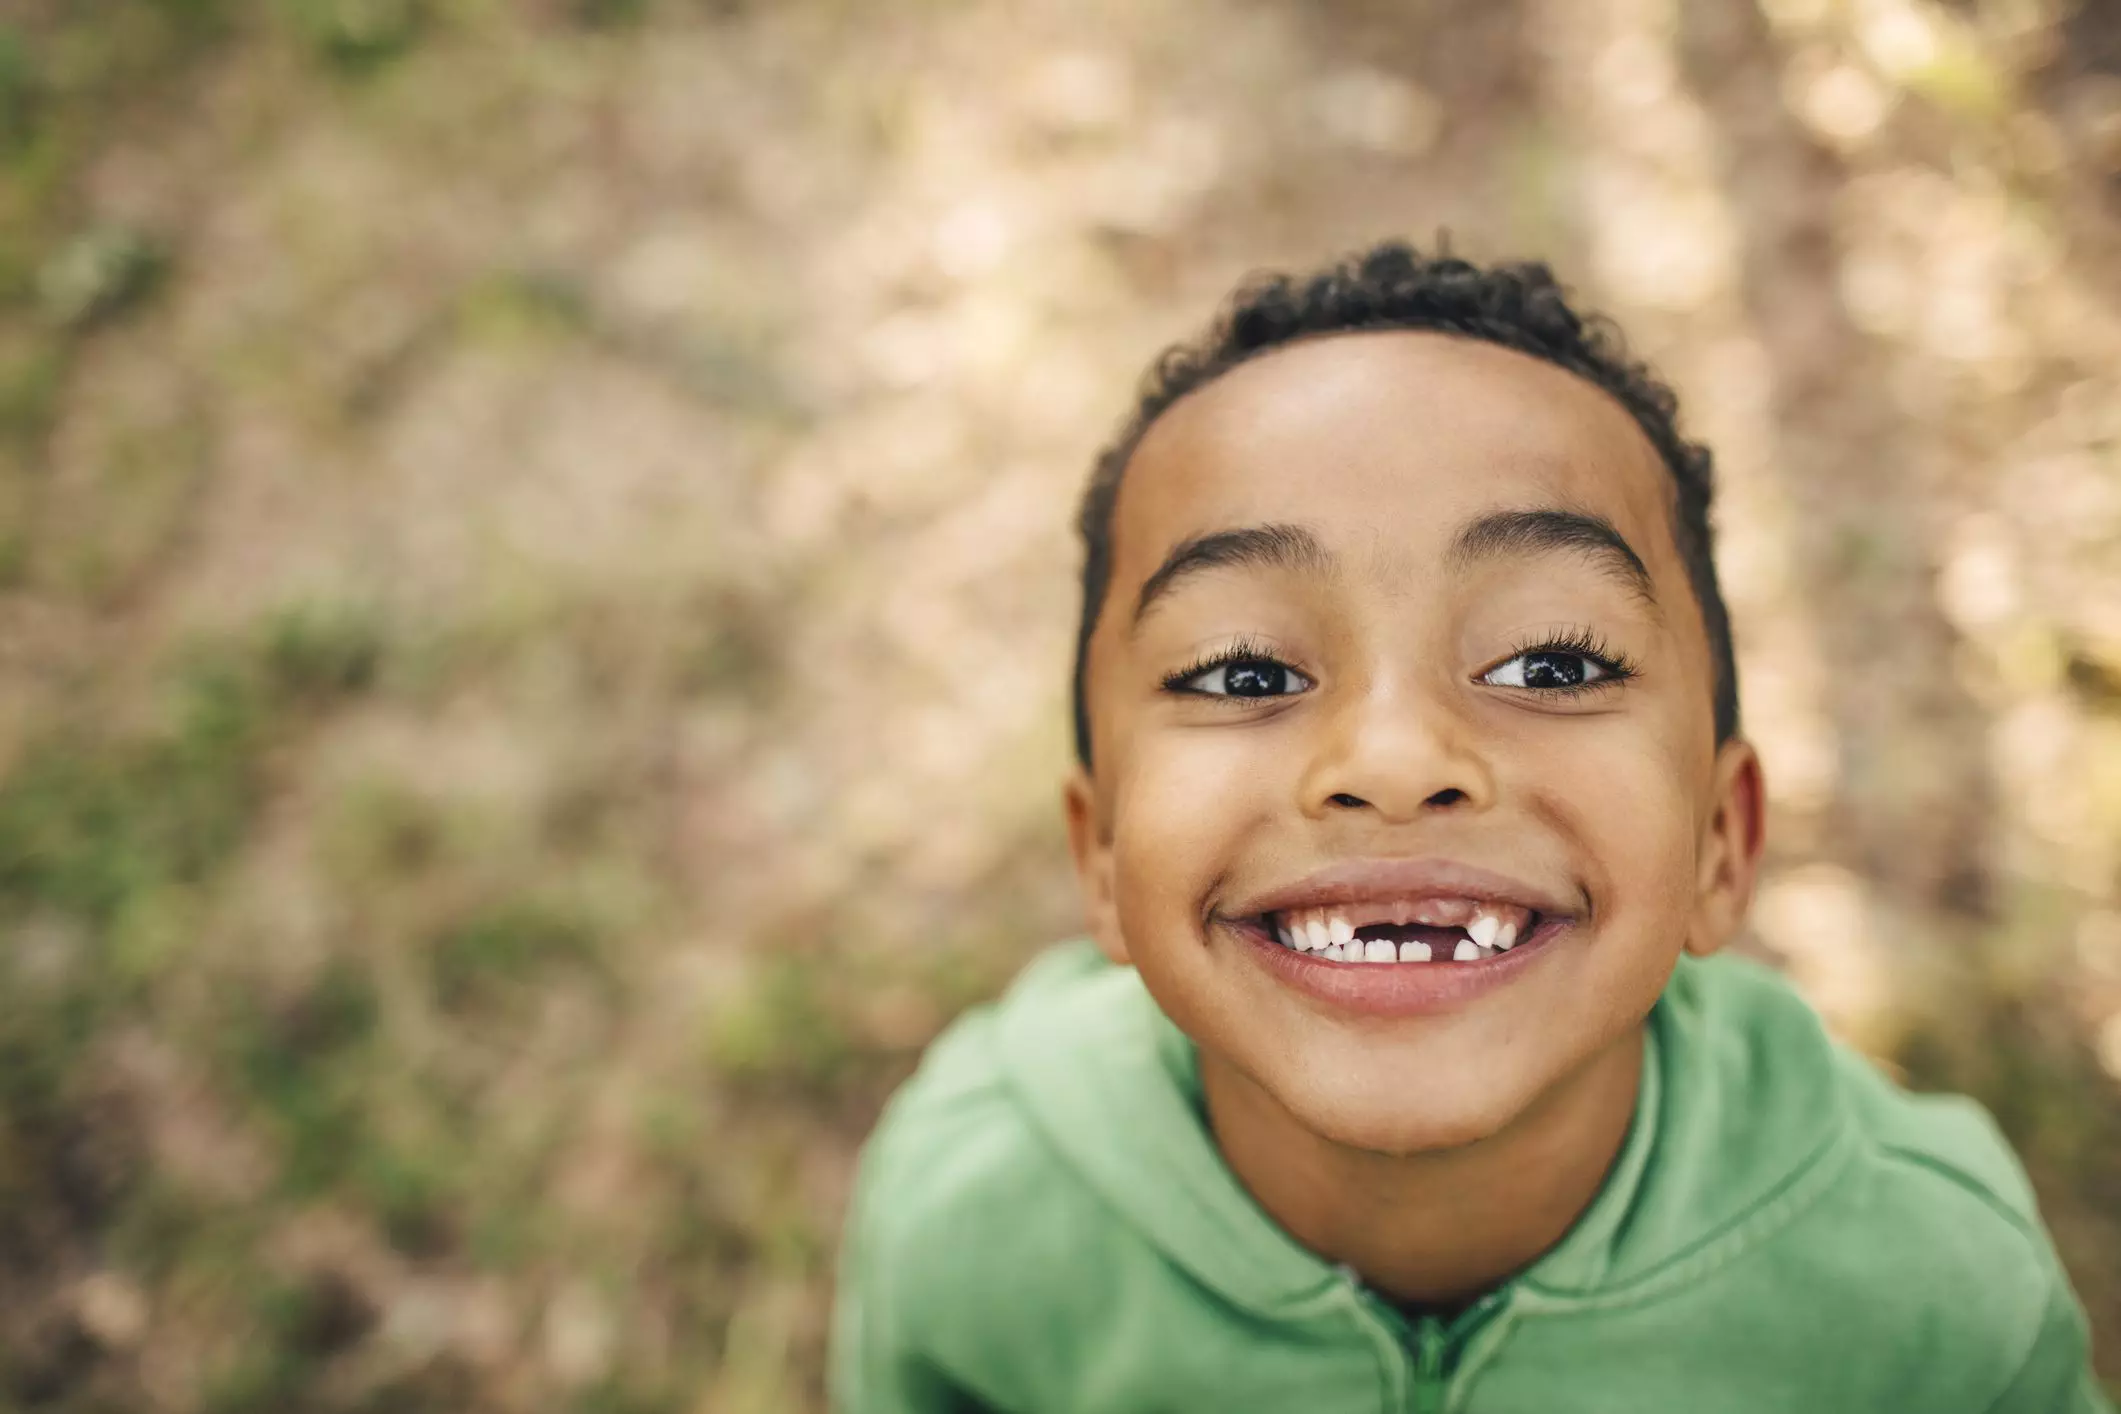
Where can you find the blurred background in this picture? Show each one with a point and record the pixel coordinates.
(536, 590)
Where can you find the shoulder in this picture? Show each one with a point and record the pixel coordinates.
(959, 1190)
(1926, 1248)
(1764, 1041)
(953, 1154)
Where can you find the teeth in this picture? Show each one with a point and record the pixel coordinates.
(1331, 935)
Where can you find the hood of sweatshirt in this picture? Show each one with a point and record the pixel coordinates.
(1736, 1129)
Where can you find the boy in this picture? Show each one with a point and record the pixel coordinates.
(1412, 806)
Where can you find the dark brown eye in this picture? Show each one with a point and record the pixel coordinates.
(1553, 670)
(1245, 677)
(1255, 679)
(1550, 670)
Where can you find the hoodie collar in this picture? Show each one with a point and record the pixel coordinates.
(1735, 1128)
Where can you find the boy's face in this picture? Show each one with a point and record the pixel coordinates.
(1398, 641)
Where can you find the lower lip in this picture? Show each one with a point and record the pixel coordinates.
(1397, 988)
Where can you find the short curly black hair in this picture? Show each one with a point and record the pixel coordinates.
(1394, 286)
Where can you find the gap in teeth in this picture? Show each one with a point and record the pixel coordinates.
(1481, 932)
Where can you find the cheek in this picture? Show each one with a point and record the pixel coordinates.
(1187, 804)
(1632, 804)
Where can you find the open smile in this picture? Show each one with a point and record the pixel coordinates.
(1401, 936)
(1428, 929)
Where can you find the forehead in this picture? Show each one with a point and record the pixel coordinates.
(1394, 437)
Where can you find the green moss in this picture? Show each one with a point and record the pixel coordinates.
(29, 389)
(629, 1394)
(383, 834)
(355, 38)
(101, 276)
(784, 1032)
(609, 14)
(90, 825)
(90, 828)
(304, 1069)
(414, 1191)
(19, 91)
(522, 307)
(735, 652)
(295, 1325)
(313, 654)
(489, 958)
(165, 1225)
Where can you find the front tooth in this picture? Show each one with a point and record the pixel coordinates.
(1336, 952)
(1483, 928)
(1341, 929)
(1321, 936)
(1466, 951)
(1414, 950)
(1379, 950)
(1506, 937)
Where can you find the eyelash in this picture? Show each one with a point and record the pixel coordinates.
(1583, 642)
(1580, 641)
(1242, 650)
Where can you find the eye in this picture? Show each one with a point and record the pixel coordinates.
(1551, 670)
(1242, 677)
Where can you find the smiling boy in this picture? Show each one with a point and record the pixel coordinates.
(1412, 808)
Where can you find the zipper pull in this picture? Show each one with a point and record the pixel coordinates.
(1428, 1366)
(1431, 1340)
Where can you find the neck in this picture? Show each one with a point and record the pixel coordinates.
(1434, 1229)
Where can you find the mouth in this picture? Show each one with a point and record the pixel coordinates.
(1427, 929)
(1398, 937)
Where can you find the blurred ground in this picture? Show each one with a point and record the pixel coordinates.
(537, 594)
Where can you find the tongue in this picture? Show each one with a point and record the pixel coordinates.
(1443, 938)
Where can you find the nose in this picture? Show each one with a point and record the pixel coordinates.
(1396, 752)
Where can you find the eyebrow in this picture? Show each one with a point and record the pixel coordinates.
(1548, 530)
(1255, 546)
(1544, 530)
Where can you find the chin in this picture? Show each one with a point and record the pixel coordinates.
(1389, 1119)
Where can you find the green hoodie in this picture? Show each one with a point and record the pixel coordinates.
(1043, 1224)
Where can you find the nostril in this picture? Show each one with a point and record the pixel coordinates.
(1449, 796)
(1352, 802)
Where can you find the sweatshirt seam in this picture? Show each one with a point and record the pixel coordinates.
(2029, 1239)
(1807, 1182)
(1910, 1157)
(1289, 1305)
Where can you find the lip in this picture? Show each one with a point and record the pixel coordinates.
(1405, 989)
(1397, 989)
(1364, 880)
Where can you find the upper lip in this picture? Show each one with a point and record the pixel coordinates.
(1372, 880)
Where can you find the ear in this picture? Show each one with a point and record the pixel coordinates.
(1730, 849)
(1092, 848)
